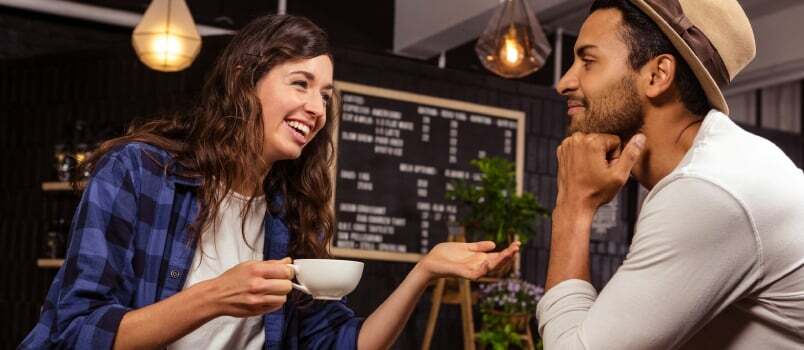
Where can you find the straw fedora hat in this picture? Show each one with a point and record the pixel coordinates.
(713, 36)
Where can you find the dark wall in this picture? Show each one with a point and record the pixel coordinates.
(40, 98)
(27, 34)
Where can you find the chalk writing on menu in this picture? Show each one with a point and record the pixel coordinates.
(397, 153)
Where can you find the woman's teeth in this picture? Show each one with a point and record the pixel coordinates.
(301, 128)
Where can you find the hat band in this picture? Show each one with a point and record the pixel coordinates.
(673, 14)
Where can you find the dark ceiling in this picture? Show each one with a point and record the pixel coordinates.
(362, 24)
(358, 24)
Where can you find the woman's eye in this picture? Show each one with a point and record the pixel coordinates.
(300, 83)
(327, 98)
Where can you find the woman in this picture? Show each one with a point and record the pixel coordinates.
(183, 233)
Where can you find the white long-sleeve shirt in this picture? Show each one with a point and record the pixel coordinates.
(717, 260)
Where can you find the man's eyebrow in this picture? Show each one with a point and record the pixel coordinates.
(311, 77)
(580, 51)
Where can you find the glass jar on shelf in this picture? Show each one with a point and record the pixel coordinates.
(81, 154)
(65, 162)
(54, 243)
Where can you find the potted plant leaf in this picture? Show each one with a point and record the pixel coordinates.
(490, 209)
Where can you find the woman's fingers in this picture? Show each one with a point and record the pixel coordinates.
(483, 246)
(474, 269)
(467, 260)
(512, 249)
(258, 304)
(274, 269)
(254, 287)
(495, 259)
(270, 286)
(272, 300)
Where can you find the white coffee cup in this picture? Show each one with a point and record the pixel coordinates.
(327, 279)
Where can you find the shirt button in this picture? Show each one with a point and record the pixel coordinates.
(174, 274)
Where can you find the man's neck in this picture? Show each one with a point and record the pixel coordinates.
(670, 132)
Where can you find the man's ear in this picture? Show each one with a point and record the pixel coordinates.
(659, 74)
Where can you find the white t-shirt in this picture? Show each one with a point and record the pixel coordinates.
(222, 251)
(717, 260)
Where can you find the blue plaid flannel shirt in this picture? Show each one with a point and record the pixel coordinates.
(129, 249)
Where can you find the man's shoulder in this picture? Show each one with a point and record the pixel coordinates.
(726, 152)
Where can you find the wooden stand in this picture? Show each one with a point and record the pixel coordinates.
(526, 337)
(463, 296)
(445, 291)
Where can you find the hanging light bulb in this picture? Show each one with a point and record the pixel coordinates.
(166, 38)
(511, 51)
(513, 44)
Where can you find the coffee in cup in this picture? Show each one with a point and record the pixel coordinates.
(327, 279)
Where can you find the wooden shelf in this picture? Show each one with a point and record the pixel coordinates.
(49, 263)
(60, 186)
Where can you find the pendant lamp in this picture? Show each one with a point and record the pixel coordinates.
(166, 38)
(513, 44)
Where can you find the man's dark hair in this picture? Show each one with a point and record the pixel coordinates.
(645, 41)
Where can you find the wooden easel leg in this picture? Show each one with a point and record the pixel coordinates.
(465, 294)
(531, 345)
(438, 293)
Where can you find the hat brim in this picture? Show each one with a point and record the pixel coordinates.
(712, 91)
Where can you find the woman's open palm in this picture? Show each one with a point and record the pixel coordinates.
(467, 260)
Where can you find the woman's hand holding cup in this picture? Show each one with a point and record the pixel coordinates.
(252, 288)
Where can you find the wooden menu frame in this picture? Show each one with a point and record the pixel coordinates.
(343, 86)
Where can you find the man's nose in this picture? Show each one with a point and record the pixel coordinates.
(567, 83)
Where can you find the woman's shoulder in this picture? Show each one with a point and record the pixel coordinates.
(138, 158)
(137, 150)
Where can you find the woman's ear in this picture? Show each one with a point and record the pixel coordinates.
(659, 74)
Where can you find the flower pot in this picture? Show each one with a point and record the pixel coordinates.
(520, 323)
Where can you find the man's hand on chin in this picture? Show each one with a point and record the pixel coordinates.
(588, 177)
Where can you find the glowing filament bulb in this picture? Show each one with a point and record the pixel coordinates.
(511, 50)
(167, 47)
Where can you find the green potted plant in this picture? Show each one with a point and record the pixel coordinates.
(507, 307)
(491, 209)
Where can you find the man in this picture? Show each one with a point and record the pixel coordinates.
(717, 261)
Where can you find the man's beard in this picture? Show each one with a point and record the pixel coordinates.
(618, 113)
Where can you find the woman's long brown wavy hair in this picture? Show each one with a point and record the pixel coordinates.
(221, 140)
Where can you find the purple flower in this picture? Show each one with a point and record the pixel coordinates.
(510, 295)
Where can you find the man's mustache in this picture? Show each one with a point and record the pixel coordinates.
(577, 102)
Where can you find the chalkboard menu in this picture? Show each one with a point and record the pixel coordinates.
(397, 152)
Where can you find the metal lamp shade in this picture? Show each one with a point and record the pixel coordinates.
(166, 38)
(513, 44)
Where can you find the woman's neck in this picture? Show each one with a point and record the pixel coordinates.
(250, 187)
